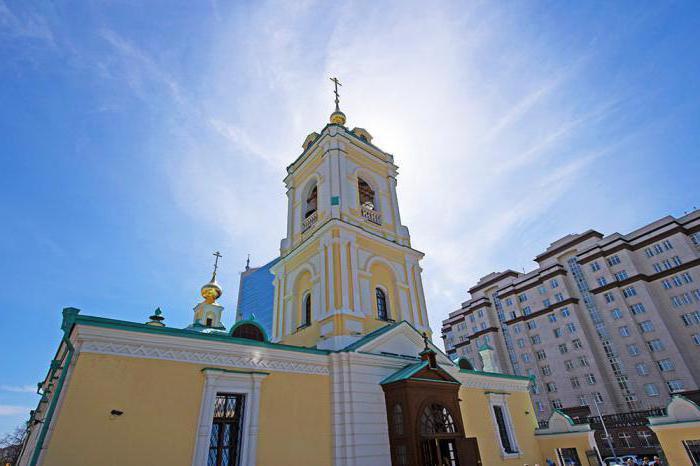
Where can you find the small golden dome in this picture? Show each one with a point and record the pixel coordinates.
(211, 292)
(338, 118)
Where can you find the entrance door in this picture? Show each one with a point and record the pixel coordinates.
(440, 452)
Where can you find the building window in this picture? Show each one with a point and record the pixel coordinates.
(565, 312)
(559, 297)
(552, 318)
(637, 309)
(366, 194)
(398, 420)
(598, 397)
(306, 317)
(583, 361)
(609, 297)
(554, 283)
(382, 305)
(665, 365)
(436, 419)
(629, 292)
(613, 260)
(556, 404)
(546, 370)
(311, 202)
(225, 439)
(209, 322)
(642, 369)
(602, 281)
(692, 448)
(621, 275)
(541, 289)
(624, 331)
(563, 349)
(633, 350)
(569, 364)
(655, 345)
(557, 332)
(531, 325)
(522, 298)
(646, 326)
(675, 386)
(571, 327)
(541, 355)
(616, 314)
(577, 343)
(527, 311)
(590, 378)
(575, 382)
(525, 357)
(696, 338)
(667, 284)
(505, 430)
(595, 266)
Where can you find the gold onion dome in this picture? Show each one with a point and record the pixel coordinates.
(211, 291)
(338, 118)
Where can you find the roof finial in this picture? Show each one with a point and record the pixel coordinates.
(247, 263)
(425, 340)
(337, 117)
(218, 255)
(212, 291)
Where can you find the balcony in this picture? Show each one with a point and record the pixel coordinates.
(309, 221)
(371, 215)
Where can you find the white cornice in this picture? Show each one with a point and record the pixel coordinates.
(165, 347)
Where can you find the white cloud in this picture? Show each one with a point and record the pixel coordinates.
(10, 410)
(489, 127)
(18, 388)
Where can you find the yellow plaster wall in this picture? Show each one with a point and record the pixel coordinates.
(295, 420)
(671, 438)
(476, 417)
(160, 401)
(382, 276)
(550, 443)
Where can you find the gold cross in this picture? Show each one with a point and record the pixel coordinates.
(337, 96)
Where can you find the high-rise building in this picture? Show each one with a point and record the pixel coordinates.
(613, 318)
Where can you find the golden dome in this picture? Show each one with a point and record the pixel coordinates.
(211, 291)
(338, 118)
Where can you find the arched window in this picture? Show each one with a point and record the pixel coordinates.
(436, 419)
(382, 305)
(311, 202)
(306, 311)
(366, 194)
(209, 322)
(248, 331)
(398, 419)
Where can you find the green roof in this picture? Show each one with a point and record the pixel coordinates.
(404, 373)
(411, 370)
(176, 332)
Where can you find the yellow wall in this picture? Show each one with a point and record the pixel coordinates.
(671, 438)
(295, 420)
(161, 404)
(550, 443)
(160, 401)
(477, 417)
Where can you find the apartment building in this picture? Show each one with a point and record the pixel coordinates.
(613, 318)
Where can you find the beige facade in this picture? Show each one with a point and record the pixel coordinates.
(614, 318)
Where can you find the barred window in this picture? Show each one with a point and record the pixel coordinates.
(225, 439)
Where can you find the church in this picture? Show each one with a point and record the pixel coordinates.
(328, 360)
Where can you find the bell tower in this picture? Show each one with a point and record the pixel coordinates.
(347, 267)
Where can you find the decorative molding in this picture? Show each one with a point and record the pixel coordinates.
(114, 342)
(488, 382)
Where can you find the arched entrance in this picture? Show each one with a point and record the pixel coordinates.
(438, 436)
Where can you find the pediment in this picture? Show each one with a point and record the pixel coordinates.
(400, 340)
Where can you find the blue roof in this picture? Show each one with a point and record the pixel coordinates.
(256, 294)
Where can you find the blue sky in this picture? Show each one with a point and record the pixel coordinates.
(138, 137)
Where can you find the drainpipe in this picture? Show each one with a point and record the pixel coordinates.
(69, 315)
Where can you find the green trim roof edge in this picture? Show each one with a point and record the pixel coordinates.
(176, 332)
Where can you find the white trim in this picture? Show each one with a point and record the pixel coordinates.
(227, 355)
(501, 400)
(218, 381)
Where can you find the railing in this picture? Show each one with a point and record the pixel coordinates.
(372, 215)
(309, 221)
